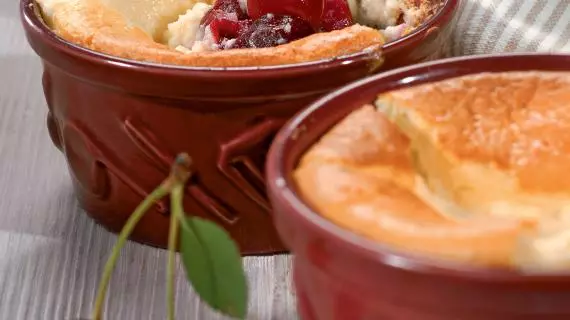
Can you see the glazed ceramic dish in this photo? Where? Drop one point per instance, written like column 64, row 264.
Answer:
column 343, row 272
column 120, row 123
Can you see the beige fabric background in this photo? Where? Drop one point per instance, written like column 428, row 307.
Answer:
column 51, row 255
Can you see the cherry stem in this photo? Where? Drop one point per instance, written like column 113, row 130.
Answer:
column 176, row 212
column 139, row 212
column 180, row 173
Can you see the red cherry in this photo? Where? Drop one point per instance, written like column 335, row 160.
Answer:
column 308, row 10
column 272, row 30
column 336, row 15
column 231, row 6
column 223, row 28
column 228, row 9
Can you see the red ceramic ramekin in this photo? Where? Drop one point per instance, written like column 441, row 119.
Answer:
column 120, row 123
column 341, row 276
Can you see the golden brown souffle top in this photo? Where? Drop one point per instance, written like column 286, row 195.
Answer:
column 111, row 27
column 471, row 170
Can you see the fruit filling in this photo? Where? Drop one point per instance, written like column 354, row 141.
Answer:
column 231, row 24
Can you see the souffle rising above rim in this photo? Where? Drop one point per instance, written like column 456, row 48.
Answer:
column 234, row 33
column 467, row 170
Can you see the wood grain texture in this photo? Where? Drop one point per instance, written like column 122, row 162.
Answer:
column 51, row 254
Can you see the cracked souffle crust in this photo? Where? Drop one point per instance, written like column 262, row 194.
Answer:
column 470, row 169
column 167, row 31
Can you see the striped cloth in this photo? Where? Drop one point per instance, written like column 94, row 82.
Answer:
column 491, row 26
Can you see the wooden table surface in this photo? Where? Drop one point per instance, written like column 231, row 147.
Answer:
column 52, row 254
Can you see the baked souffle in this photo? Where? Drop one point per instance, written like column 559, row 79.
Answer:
column 234, row 33
column 470, row 169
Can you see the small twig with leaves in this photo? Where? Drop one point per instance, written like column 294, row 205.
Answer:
column 210, row 257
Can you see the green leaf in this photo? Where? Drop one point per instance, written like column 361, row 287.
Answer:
column 214, row 267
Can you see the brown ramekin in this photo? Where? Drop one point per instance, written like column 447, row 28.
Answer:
column 341, row 276
column 120, row 123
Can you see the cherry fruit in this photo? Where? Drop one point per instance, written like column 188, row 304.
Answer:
column 336, row 15
column 271, row 30
column 308, row 10
column 269, row 23
column 231, row 6
column 228, row 9
column 223, row 28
